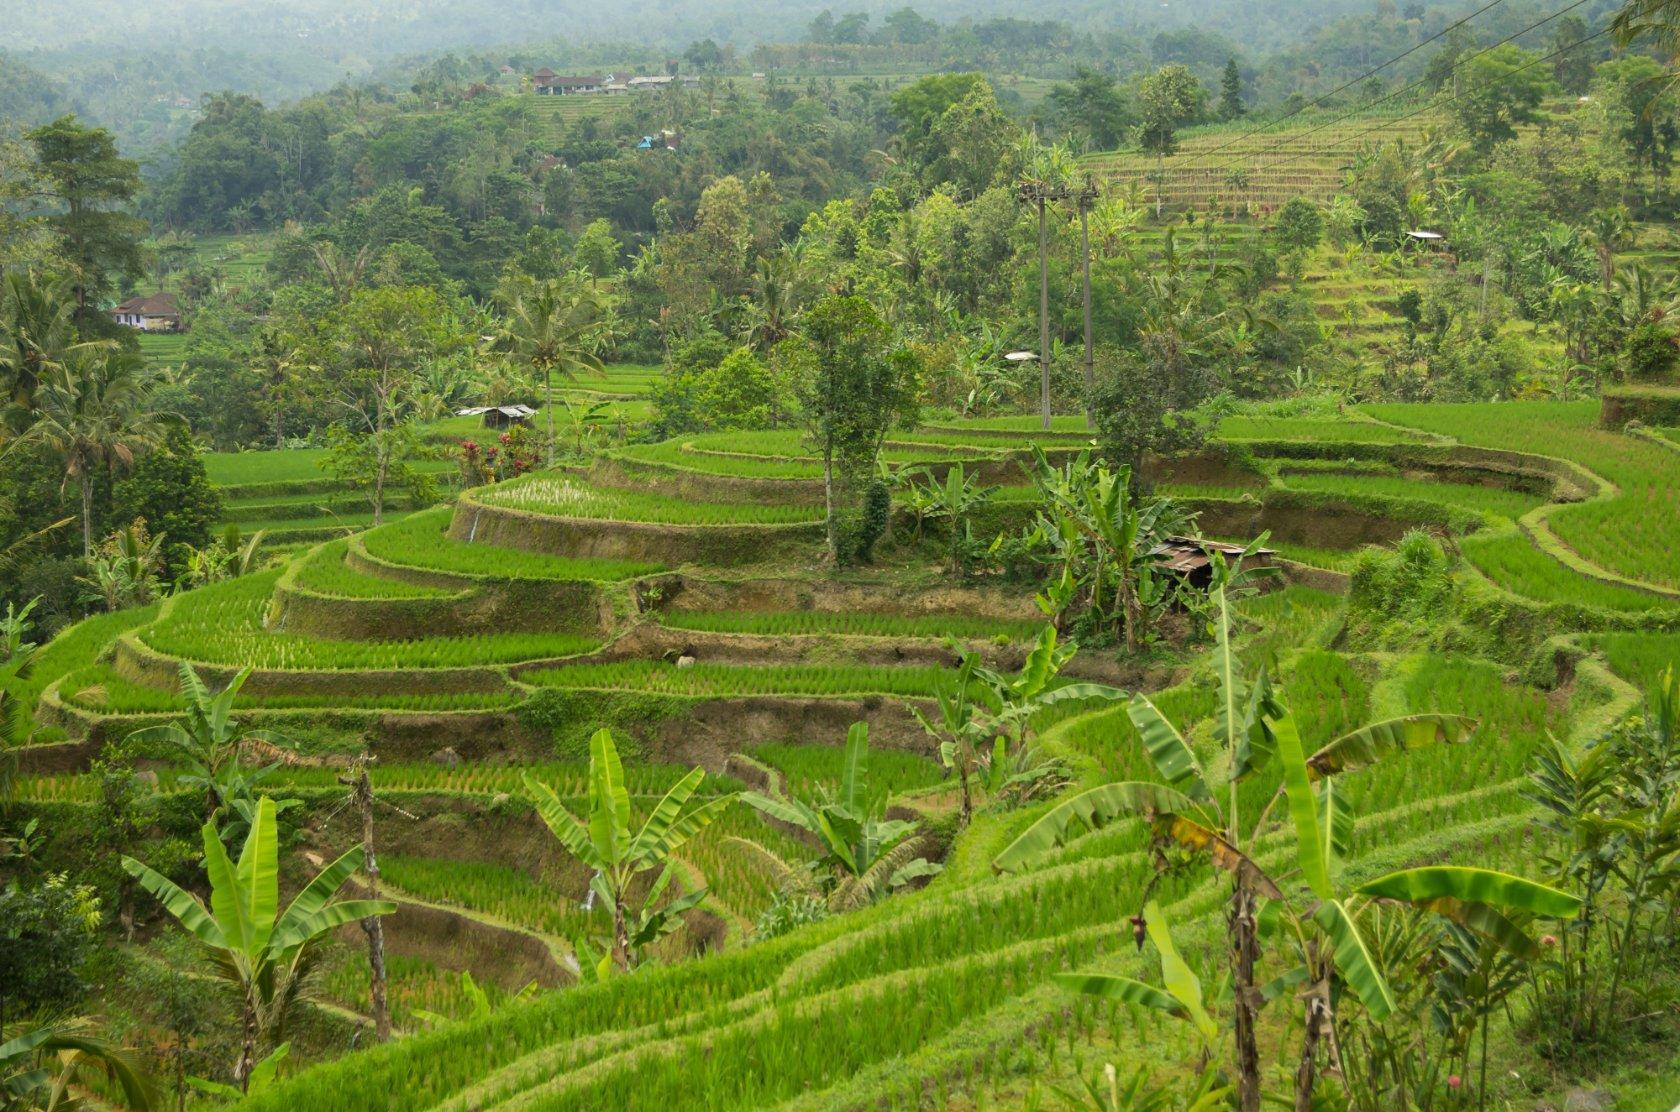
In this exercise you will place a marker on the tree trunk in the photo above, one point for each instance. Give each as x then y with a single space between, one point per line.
371 926
279 424
87 514
247 1043
967 796
382 454
1318 1020
1245 947
621 936
548 404
830 524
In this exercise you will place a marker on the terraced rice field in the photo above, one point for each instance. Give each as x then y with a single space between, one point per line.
954 977
1633 532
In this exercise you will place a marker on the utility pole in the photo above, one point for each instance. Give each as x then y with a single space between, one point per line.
1085 199
1043 314
1041 193
361 794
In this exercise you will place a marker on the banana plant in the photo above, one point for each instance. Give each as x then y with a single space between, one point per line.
1184 809
1181 994
603 838
264 952
479 1005
953 499
208 739
983 710
865 854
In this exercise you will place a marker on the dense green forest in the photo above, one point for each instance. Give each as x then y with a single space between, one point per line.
1119 559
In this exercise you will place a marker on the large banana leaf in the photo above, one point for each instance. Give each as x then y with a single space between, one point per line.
1076 692
1090 810
658 824
572 834
853 770
258 873
178 902
1176 973
688 824
293 928
1353 958
226 900
609 800
1312 848
1111 986
1462 884
1380 740
1040 666
1171 754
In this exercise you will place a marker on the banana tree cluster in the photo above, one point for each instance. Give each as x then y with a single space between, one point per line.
605 841
1314 915
864 854
984 713
1096 536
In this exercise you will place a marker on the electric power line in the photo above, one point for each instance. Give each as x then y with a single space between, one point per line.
1294 139
1367 75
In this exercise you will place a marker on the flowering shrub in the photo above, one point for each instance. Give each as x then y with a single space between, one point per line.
513 454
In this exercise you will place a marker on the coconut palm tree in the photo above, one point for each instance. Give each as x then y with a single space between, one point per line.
604 841
263 952
552 328
37 336
92 414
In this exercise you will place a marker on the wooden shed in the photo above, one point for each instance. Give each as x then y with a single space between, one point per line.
499 416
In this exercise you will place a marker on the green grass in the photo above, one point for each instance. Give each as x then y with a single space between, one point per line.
1640 658
1510 559
325 573
509 894
223 624
1634 532
703 679
79 646
100 688
420 542
1493 501
563 496
1315 429
806 768
851 622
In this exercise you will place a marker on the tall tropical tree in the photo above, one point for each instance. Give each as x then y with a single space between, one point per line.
37 336
262 951
93 415
605 841
553 327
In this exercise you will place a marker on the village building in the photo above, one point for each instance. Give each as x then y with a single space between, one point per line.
499 416
158 312
548 83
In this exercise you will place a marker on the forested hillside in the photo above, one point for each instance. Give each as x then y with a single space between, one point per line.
1119 559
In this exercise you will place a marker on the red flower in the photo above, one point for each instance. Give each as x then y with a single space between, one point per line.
1548 940
1454 1081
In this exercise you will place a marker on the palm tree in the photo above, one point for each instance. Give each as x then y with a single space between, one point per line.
37 336
774 301
278 365
263 952
40 1066
93 415
553 328
603 840
342 273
